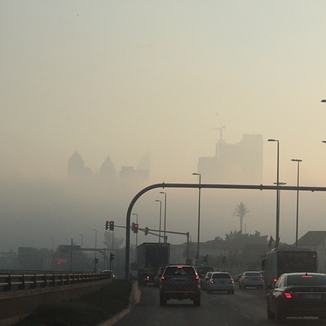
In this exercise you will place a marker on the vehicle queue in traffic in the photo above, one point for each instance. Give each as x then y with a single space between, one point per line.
293 294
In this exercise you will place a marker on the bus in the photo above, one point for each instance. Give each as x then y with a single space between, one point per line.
287 260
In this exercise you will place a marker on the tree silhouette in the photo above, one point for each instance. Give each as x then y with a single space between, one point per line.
240 211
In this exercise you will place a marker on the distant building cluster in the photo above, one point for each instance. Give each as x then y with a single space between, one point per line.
128 177
240 163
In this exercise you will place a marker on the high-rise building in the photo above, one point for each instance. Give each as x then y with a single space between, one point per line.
240 163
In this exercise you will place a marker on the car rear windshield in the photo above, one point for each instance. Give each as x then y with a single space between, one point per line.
221 276
306 280
252 274
179 271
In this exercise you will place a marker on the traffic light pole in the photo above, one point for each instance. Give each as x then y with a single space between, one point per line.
202 186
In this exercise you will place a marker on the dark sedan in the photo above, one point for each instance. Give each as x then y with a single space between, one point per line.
297 295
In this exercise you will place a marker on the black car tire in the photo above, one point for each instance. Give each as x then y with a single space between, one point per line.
163 300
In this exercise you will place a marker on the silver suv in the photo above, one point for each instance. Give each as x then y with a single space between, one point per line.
180 282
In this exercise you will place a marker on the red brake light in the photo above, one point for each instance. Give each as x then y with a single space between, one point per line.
275 279
197 277
306 276
290 295
162 277
179 267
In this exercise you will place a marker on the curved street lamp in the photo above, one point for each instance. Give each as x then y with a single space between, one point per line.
164 224
198 234
277 192
297 214
160 220
95 258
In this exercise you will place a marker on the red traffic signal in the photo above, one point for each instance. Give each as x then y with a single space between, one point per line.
111 225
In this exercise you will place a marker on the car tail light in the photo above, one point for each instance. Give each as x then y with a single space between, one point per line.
162 278
261 279
231 281
197 278
212 282
246 279
290 295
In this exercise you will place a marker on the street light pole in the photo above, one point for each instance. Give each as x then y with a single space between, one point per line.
160 220
297 214
95 259
81 238
277 192
164 227
137 224
198 230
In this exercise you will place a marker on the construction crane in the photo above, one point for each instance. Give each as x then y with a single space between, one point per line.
221 131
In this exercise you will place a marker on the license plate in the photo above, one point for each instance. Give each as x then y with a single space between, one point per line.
312 296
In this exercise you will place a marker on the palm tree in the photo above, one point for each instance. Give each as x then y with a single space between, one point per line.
241 210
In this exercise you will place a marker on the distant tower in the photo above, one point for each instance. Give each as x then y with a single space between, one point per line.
107 171
76 165
145 162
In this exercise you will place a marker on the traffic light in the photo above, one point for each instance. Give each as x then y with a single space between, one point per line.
96 260
136 228
106 225
205 259
111 225
146 230
111 256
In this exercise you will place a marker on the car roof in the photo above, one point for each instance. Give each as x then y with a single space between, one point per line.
305 273
176 265
221 273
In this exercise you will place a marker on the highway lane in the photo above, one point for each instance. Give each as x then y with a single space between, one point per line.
246 308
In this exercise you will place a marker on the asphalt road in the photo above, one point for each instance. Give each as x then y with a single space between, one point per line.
244 308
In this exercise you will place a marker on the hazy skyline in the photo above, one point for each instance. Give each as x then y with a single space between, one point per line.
125 78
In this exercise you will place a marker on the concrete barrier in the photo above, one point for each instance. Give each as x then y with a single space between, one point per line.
134 299
18 304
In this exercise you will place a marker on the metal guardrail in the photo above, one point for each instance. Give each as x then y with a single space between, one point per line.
16 282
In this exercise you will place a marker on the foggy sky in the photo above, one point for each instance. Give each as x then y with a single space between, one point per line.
123 78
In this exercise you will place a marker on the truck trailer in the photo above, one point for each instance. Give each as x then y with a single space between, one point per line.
151 256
